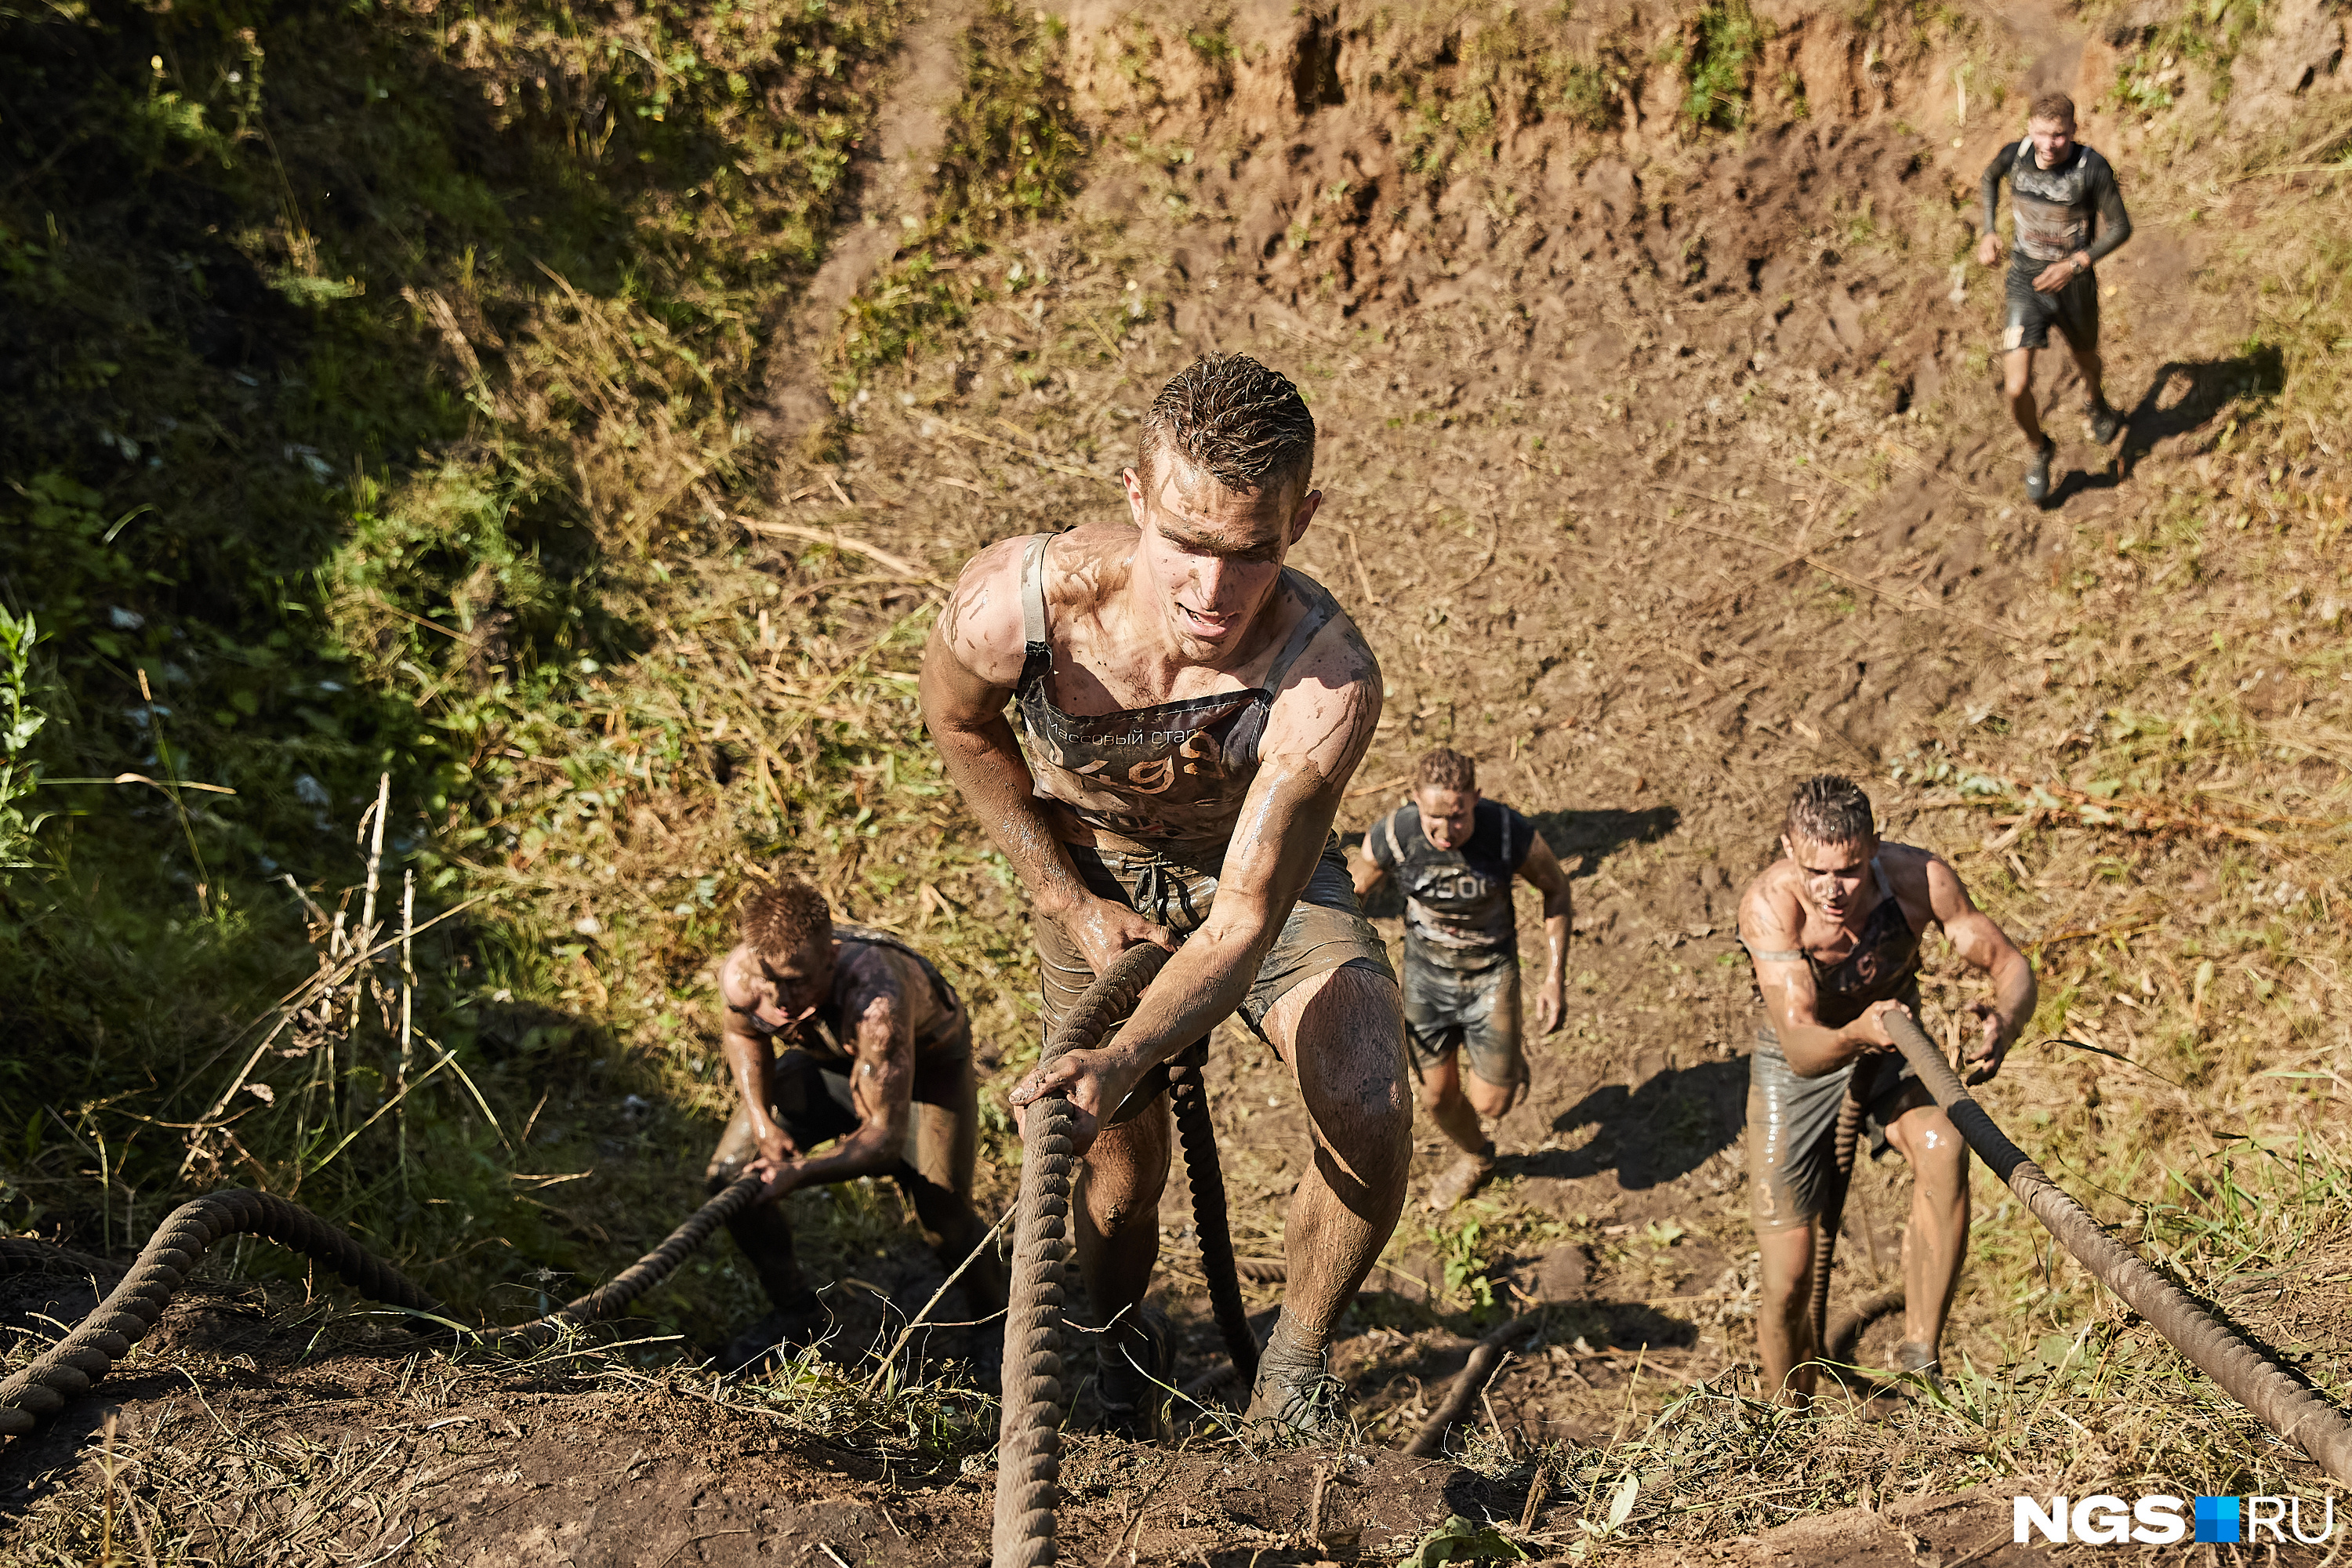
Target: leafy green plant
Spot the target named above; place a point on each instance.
(1728, 38)
(20, 723)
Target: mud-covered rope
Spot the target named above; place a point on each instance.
(1029, 1447)
(1825, 1230)
(2283, 1402)
(1198, 1133)
(68, 1369)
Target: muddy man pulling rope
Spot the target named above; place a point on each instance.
(1191, 712)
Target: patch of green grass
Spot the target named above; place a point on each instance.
(1725, 43)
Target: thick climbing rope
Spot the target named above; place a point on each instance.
(1832, 1215)
(1028, 1447)
(1028, 1443)
(2283, 1402)
(67, 1370)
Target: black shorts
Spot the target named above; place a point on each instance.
(2074, 309)
(1472, 1009)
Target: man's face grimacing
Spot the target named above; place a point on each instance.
(1833, 873)
(1211, 556)
(1447, 815)
(2053, 139)
(793, 985)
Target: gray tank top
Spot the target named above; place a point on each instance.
(1171, 776)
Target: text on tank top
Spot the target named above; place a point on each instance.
(1172, 775)
(1456, 901)
(1884, 964)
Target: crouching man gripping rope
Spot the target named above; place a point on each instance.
(878, 1055)
(1833, 927)
(1190, 711)
(1454, 855)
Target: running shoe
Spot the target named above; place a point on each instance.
(1465, 1177)
(1131, 1392)
(2106, 423)
(1295, 1392)
(1921, 1361)
(2037, 478)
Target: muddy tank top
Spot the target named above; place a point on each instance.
(1884, 964)
(1171, 777)
(1457, 903)
(829, 1041)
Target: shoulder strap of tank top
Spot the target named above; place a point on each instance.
(1505, 812)
(1321, 607)
(872, 938)
(1032, 590)
(1388, 825)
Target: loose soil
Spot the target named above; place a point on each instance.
(1592, 419)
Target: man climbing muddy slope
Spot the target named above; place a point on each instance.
(1454, 855)
(1190, 711)
(2069, 213)
(879, 1056)
(1834, 927)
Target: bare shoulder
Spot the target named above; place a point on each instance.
(982, 623)
(1923, 879)
(1088, 564)
(1330, 700)
(1770, 902)
(734, 988)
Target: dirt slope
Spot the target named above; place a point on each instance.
(1661, 468)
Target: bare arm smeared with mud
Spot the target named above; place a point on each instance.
(1773, 924)
(1319, 727)
(881, 1077)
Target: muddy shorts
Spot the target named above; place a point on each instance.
(1326, 929)
(1472, 1009)
(1792, 1121)
(809, 1097)
(2074, 309)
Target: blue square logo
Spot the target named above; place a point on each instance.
(2217, 1520)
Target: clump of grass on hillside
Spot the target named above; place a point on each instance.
(1013, 154)
(463, 517)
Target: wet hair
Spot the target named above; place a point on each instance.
(787, 919)
(1444, 769)
(2053, 105)
(1235, 420)
(1829, 808)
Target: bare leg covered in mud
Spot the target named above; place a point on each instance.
(1340, 1035)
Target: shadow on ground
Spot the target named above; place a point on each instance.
(1648, 1136)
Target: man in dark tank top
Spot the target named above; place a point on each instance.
(835, 1033)
(1191, 711)
(1454, 855)
(1833, 927)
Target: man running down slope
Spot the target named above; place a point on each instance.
(1190, 711)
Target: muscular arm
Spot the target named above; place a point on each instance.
(751, 1061)
(881, 1083)
(1364, 873)
(1544, 873)
(1770, 922)
(971, 666)
(1318, 731)
(1985, 946)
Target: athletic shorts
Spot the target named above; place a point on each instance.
(1325, 930)
(2074, 309)
(1474, 1010)
(810, 1098)
(1792, 1123)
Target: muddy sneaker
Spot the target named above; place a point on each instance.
(1464, 1176)
(2105, 423)
(1131, 1389)
(800, 1321)
(1294, 1391)
(2037, 478)
(1920, 1362)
